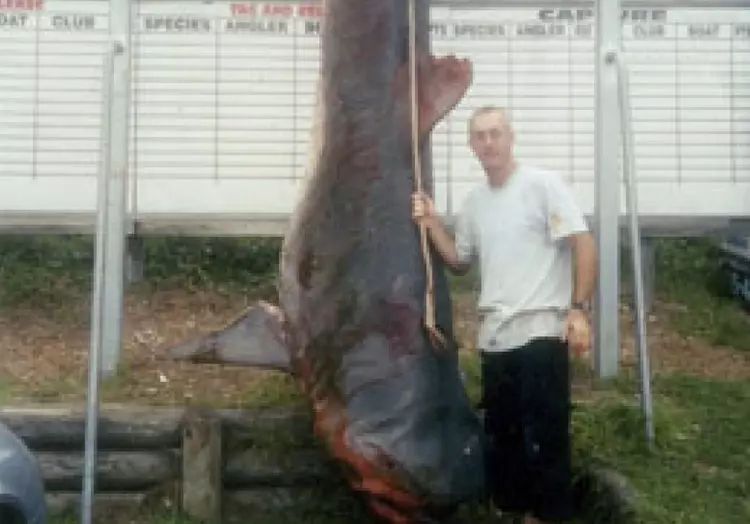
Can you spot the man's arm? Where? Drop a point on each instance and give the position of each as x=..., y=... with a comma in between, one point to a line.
x=567, y=223
x=446, y=246
x=424, y=213
x=583, y=247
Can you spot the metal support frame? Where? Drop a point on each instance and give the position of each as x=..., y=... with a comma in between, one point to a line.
x=109, y=265
x=648, y=267
x=98, y=305
x=114, y=281
x=136, y=260
x=607, y=190
x=648, y=261
x=631, y=197
x=612, y=122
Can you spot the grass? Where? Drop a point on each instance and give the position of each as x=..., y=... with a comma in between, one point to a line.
x=699, y=472
x=6, y=391
x=688, y=273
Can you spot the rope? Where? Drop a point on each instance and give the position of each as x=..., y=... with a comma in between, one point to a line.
x=432, y=329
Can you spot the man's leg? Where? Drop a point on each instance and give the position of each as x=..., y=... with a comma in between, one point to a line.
x=546, y=412
x=502, y=397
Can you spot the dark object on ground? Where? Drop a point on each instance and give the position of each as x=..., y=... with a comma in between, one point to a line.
x=736, y=265
x=603, y=495
x=21, y=489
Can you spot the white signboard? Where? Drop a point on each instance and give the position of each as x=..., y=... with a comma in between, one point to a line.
x=50, y=88
x=222, y=98
x=690, y=100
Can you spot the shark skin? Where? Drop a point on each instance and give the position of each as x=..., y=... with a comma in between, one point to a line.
x=349, y=324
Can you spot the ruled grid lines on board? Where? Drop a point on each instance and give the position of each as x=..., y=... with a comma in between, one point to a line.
x=541, y=73
x=732, y=131
x=217, y=101
x=35, y=114
x=571, y=114
x=254, y=101
x=51, y=90
x=224, y=97
x=677, y=134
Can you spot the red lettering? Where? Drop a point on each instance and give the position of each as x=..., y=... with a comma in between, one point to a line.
x=239, y=9
x=278, y=10
x=267, y=9
x=310, y=11
x=21, y=5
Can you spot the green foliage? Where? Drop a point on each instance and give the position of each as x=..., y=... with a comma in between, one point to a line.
x=686, y=267
x=467, y=282
x=43, y=271
x=49, y=271
x=689, y=273
x=244, y=262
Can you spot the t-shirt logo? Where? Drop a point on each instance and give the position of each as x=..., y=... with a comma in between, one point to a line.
x=554, y=223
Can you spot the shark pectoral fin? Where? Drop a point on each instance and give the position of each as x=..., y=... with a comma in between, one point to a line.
x=254, y=339
x=441, y=84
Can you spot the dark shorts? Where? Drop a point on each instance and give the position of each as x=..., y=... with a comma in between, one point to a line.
x=526, y=397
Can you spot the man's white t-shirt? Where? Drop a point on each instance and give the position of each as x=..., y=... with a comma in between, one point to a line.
x=517, y=232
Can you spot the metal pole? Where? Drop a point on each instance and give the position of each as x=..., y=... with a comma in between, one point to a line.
x=631, y=197
x=97, y=302
x=114, y=281
x=607, y=190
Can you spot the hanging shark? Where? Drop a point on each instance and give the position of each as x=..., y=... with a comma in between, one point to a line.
x=349, y=325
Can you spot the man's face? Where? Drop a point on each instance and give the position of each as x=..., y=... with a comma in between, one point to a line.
x=491, y=139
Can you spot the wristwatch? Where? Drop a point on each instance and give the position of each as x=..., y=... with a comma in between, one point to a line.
x=580, y=306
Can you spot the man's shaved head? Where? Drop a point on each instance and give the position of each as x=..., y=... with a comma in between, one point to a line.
x=486, y=109
x=491, y=139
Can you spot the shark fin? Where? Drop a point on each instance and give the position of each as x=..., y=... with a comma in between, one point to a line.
x=253, y=339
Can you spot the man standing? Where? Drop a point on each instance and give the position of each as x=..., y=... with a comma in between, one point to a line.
x=537, y=264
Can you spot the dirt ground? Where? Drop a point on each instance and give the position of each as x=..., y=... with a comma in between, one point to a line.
x=46, y=357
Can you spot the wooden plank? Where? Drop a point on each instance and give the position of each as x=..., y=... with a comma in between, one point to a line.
x=202, y=466
x=289, y=427
x=129, y=506
x=69, y=503
x=277, y=467
x=115, y=470
x=63, y=428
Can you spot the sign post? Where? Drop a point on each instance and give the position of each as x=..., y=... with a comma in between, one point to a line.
x=97, y=301
x=607, y=188
x=107, y=303
x=114, y=282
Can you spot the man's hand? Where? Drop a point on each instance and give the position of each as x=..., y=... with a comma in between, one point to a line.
x=423, y=209
x=424, y=214
x=577, y=332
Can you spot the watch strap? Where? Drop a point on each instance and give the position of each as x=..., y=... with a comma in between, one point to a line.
x=581, y=306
